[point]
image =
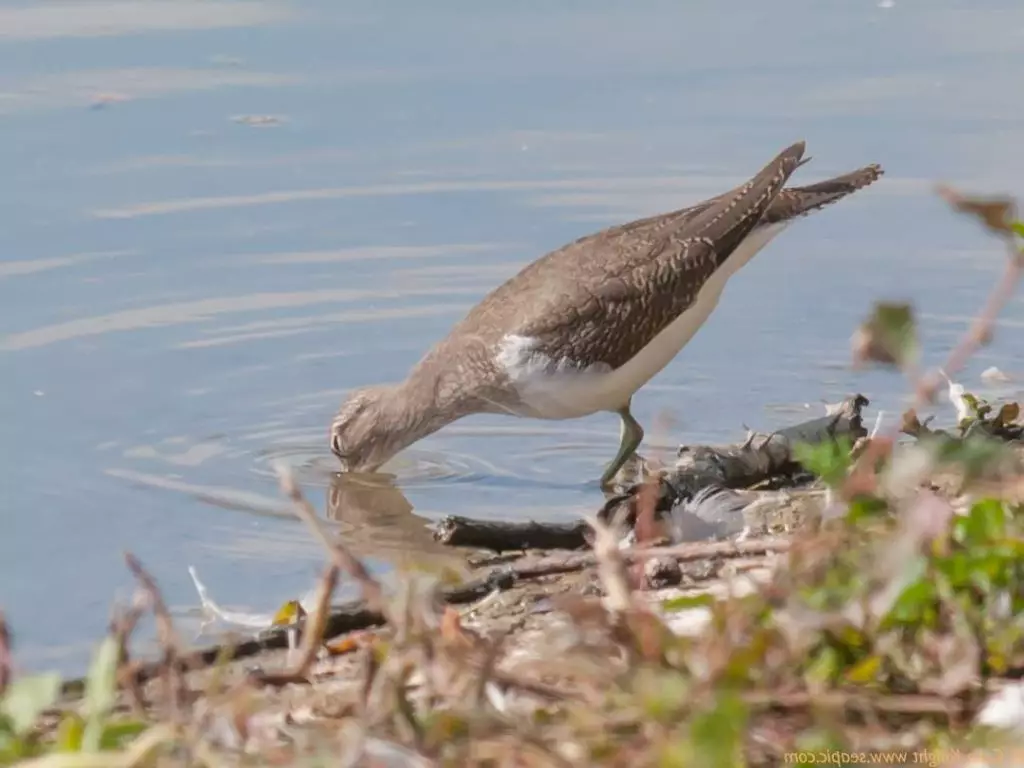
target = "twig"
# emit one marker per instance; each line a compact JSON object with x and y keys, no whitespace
{"x":174,"y":682}
{"x":612,"y":567}
{"x":980,"y":333}
{"x":6,"y":657}
{"x":908,"y":704}
{"x":122,"y":626}
{"x":345,"y":560}
{"x":312,"y":636}
{"x":683,"y":553}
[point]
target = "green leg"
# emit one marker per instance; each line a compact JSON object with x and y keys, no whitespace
{"x":630,"y":436}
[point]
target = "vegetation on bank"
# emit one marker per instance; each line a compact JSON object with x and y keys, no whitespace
{"x":890,"y":631}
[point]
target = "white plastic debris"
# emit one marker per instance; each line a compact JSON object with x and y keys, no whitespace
{"x":956,"y":394}
{"x":993,"y":375}
{"x":259,"y":622}
{"x":1005,"y":708}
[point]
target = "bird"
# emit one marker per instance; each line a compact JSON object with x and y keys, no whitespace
{"x":579,"y":330}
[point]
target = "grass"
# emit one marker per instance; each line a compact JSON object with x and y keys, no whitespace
{"x":884,"y":632}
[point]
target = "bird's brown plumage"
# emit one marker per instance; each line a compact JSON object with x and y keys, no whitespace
{"x":601,"y":299}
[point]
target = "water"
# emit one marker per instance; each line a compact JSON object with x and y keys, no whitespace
{"x":218,"y":217}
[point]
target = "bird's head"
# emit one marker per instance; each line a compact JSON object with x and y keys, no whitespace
{"x":368,"y":428}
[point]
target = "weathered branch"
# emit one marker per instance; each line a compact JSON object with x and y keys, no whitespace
{"x":740,"y":465}
{"x":501,"y":536}
{"x":730,"y":466}
{"x":758,"y":459}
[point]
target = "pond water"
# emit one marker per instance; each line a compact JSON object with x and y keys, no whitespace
{"x":217,"y":217}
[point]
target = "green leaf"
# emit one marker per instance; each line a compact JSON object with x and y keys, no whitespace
{"x":866,"y":508}
{"x":718,"y":734}
{"x":287,"y":614}
{"x":829,"y":460}
{"x":865,"y":671}
{"x":27,"y":697}
{"x":70,"y":732}
{"x":100,"y":692}
{"x":984,"y":524}
{"x":916,"y":604}
{"x":975,"y":454}
{"x":824,"y":667}
{"x":116,"y":735}
{"x":957,"y":569}
{"x":1018,"y":227}
{"x":662,"y":695}
{"x":978,"y":406}
{"x":675,"y":604}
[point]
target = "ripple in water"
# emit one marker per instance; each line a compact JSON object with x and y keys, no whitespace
{"x":414,"y":468}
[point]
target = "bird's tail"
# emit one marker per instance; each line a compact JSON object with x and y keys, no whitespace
{"x":799,"y":201}
{"x":729,"y":218}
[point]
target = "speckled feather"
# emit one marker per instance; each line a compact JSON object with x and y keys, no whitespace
{"x":600,"y":299}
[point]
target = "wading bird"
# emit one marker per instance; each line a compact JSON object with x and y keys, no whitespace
{"x":582,"y":328}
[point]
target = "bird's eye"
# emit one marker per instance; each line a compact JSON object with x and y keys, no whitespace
{"x":337,"y":447}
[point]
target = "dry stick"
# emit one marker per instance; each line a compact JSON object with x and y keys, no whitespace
{"x":122,"y":626}
{"x":980,"y":331}
{"x":312,"y":636}
{"x":500,"y":536}
{"x":173,"y":675}
{"x":6,"y":658}
{"x":611,"y":567}
{"x":908,"y":704}
{"x":993,"y":215}
{"x":683,"y":553}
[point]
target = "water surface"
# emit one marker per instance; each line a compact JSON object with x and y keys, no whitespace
{"x":218,"y":217}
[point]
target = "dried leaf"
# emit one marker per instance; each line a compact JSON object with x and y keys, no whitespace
{"x":1007,"y":414}
{"x":888,"y":336}
{"x":995,"y":213}
{"x":452,"y":631}
{"x":910,"y":424}
{"x":348,"y":643}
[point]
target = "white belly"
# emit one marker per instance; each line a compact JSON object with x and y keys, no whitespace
{"x":571,"y":393}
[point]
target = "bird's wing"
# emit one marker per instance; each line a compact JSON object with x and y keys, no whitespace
{"x":606,"y":302}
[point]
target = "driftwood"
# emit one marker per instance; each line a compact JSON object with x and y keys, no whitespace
{"x":741,"y":465}
{"x":500,"y":536}
{"x":700,"y":467}
{"x":761,"y":458}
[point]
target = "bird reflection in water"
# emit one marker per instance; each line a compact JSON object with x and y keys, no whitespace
{"x":377,"y":520}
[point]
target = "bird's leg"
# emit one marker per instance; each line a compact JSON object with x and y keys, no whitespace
{"x":630,"y":436}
